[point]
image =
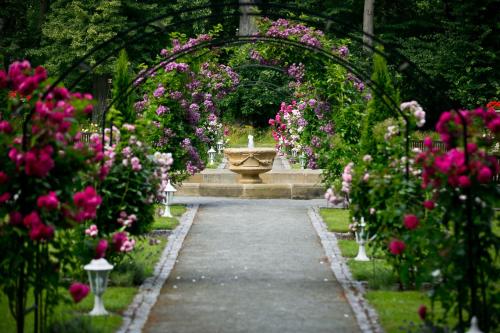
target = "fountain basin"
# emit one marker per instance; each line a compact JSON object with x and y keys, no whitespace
{"x":250,"y":162}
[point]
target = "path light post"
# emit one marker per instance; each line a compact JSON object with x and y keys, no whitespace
{"x":211,"y":156}
{"x":361,"y":239}
{"x":474,"y":328}
{"x":169,"y":196}
{"x":98,"y":271}
{"x":302,"y":161}
{"x":220,"y":146}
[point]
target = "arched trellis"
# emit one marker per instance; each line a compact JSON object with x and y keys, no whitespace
{"x":346,"y":30}
{"x":343,"y":29}
{"x":374,"y":86}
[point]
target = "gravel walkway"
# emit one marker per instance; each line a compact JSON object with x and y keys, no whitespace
{"x":251,"y":266}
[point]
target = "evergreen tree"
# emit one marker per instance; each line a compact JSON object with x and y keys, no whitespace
{"x":379,"y":107}
{"x":123,"y":111}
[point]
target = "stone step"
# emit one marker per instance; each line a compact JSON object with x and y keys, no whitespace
{"x":279,"y":183}
{"x":282,"y":176}
{"x":253,"y":191}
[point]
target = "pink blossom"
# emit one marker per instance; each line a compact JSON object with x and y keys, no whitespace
{"x":428,"y":142}
{"x":48,"y":201}
{"x":15,"y":218}
{"x":78,"y":291}
{"x":31,"y":219}
{"x":38,"y":230}
{"x":41,"y":232}
{"x":5,"y":127}
{"x":484,"y":175}
{"x":87,"y":201}
{"x":3,"y":177}
{"x":397,"y":247}
{"x":464,"y":181}
{"x":16,"y":156}
{"x":127,"y":245}
{"x":118,"y":239}
{"x":429,"y":204}
{"x":92,"y":231}
{"x":39,"y":161}
{"x":411,"y":221}
{"x":422,"y":312}
{"x":494,"y":125}
{"x":4,"y":197}
{"x":100,"y":249}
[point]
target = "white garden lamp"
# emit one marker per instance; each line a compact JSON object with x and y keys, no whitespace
{"x":474,"y":328}
{"x":98,"y":271}
{"x":294,"y":153}
{"x":169,"y":196}
{"x":211,"y":156}
{"x":361,"y":239}
{"x":302,"y":161}
{"x":220,"y":146}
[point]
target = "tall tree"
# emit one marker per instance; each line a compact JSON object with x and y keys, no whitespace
{"x":368,"y":25}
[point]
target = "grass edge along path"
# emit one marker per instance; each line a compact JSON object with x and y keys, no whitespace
{"x":396,"y":310}
{"x":70,"y":317}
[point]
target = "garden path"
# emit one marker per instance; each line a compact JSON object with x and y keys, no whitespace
{"x":251,"y":266}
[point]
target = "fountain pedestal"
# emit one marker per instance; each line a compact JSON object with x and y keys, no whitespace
{"x":250,"y":162}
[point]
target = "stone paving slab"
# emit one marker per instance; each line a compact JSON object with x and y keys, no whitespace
{"x":251,"y":266}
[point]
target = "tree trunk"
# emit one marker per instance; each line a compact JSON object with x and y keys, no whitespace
{"x":101,"y":90}
{"x":247,"y":22}
{"x":368,"y":25}
{"x":44,"y":7}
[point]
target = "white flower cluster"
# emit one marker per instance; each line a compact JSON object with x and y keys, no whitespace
{"x":347,"y":178}
{"x":392,"y":130}
{"x":414,"y":108}
{"x":164,"y":161}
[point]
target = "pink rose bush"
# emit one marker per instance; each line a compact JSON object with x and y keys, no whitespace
{"x":439,"y":216}
{"x":46,"y":172}
{"x":135,"y":180}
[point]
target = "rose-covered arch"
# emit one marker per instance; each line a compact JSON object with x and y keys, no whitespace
{"x":468,"y":281}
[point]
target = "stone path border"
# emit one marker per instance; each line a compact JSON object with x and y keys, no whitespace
{"x":137,"y":313}
{"x":365,"y":315}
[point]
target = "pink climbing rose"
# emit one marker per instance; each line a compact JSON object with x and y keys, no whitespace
{"x":411,"y":221}
{"x":397,"y":247}
{"x":48,"y":201}
{"x":78,"y":291}
{"x":100,"y":249}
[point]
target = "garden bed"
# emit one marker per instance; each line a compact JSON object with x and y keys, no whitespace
{"x":396,"y":309}
{"x":124,"y":282}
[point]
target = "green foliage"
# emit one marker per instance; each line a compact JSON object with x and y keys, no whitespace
{"x":380,"y":107}
{"x":75,"y":27}
{"x":124,"y":107}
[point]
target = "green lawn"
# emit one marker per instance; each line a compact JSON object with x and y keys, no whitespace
{"x":336,"y":219}
{"x":349,"y":249}
{"x":396,"y":309}
{"x":72,"y":317}
{"x":124,"y":279}
{"x":238,"y":137}
{"x":169,"y":223}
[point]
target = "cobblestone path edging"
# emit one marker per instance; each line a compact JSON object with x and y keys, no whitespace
{"x":365,"y":315}
{"x":137,"y":313}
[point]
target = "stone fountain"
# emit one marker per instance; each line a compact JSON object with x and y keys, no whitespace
{"x":250,"y":162}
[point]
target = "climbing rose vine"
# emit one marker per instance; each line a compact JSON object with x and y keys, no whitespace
{"x":46,"y":177}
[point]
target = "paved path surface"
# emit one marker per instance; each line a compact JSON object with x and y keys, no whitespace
{"x":251,"y":266}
